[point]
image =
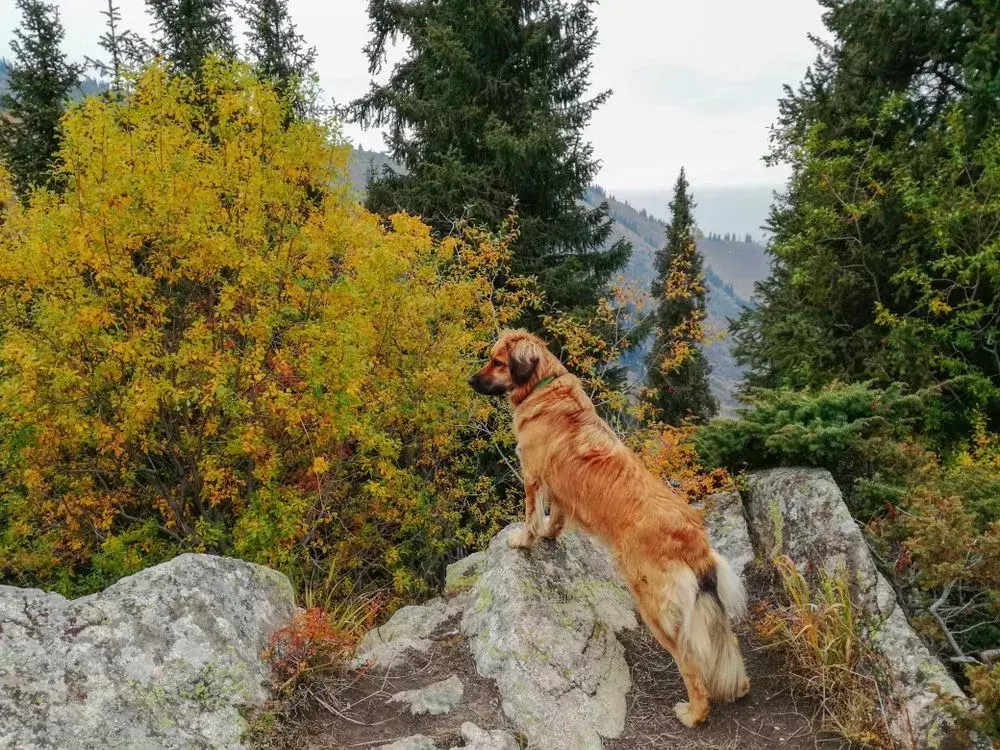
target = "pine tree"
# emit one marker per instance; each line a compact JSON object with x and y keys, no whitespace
{"x":39,"y":85}
{"x":882,"y":243}
{"x":277,"y":51}
{"x":486,"y":112}
{"x":676,"y":368}
{"x":125,"y":49}
{"x":190,"y":30}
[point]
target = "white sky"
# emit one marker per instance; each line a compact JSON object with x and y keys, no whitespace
{"x":695,"y":82}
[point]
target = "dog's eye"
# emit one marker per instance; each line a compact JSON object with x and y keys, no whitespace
{"x":498,"y":364}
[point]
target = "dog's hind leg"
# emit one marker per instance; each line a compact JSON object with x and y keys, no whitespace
{"x":652,"y":610}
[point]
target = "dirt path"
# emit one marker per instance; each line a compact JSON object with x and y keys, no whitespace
{"x":351,"y":711}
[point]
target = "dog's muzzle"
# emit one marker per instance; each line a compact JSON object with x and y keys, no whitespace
{"x":487,"y":389}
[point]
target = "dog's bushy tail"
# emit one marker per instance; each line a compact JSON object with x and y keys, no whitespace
{"x":705,"y":634}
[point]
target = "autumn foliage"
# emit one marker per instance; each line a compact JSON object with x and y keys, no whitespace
{"x":206,"y":344}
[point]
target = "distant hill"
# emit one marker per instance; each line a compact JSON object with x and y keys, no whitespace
{"x":735,"y":210}
{"x":363,"y":162}
{"x":731,"y":268}
{"x":88,"y":86}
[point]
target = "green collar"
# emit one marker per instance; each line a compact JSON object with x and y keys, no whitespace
{"x":544,"y":382}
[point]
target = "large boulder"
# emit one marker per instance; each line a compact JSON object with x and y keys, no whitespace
{"x":801,"y":513}
{"x":542,"y":623}
{"x":162,"y":659}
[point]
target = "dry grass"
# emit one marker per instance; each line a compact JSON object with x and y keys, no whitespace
{"x":819,"y":630}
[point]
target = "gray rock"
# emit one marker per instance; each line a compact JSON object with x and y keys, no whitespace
{"x":462,"y":575}
{"x":801,"y":513}
{"x":409,"y":629}
{"x":413,"y":742}
{"x":726,"y":526}
{"x":161,"y":659}
{"x":542,"y":623}
{"x":481,"y":739}
{"x":437,"y":698}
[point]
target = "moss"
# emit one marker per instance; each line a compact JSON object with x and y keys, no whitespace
{"x":777,"y":523}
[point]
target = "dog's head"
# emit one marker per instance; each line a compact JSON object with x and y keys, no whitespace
{"x":515,"y":360}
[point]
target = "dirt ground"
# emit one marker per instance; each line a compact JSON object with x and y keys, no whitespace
{"x":350,"y":711}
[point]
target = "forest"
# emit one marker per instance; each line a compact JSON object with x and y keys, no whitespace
{"x":212,"y":341}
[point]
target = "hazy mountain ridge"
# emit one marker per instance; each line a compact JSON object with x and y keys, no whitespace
{"x":731,"y":268}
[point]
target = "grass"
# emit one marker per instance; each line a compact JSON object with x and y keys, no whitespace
{"x":819,"y":630}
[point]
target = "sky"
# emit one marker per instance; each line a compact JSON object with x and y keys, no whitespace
{"x":695,"y":82}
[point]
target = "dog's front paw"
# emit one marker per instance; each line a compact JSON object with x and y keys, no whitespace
{"x":688,"y":716}
{"x":519,"y":539}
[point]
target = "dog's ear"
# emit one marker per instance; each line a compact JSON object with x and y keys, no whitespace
{"x":525,"y":355}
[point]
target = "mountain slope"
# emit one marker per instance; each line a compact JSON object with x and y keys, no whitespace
{"x":731,"y":268}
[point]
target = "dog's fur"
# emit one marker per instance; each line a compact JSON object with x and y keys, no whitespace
{"x":570,"y":459}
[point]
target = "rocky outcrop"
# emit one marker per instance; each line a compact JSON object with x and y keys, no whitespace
{"x":162,"y":659}
{"x":801,"y":513}
{"x":726,"y":525}
{"x":543,"y":626}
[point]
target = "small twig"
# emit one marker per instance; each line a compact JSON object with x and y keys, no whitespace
{"x":933,"y":609}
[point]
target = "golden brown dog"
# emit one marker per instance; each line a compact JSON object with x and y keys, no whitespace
{"x":685,"y":591}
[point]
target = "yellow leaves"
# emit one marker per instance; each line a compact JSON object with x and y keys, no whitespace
{"x":205,"y":326}
{"x":939,"y":306}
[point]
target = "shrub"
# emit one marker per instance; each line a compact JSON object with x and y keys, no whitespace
{"x":858,"y":431}
{"x":207,"y":345}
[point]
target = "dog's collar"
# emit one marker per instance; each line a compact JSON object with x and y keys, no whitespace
{"x":542,"y":383}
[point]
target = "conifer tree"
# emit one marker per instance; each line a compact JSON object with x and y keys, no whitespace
{"x":125,"y":49}
{"x":190,"y":30}
{"x":676,"y":368}
{"x":39,"y":85}
{"x":485,"y":112}
{"x":277,"y":51}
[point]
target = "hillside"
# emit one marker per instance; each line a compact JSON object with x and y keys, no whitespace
{"x":731,"y":269}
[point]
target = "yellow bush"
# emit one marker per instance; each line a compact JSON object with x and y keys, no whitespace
{"x":206,"y":344}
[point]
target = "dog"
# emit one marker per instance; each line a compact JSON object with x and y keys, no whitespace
{"x":572,"y":461}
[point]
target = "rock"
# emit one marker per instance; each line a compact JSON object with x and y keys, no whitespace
{"x":161,"y":659}
{"x":726,"y":526}
{"x":801,"y":513}
{"x":407,"y":630}
{"x":413,"y":742}
{"x":542,"y":623}
{"x":480,"y":739}
{"x":462,"y":575}
{"x":437,"y":698}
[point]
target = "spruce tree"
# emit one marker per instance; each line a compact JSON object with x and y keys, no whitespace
{"x":676,"y":368}
{"x":277,"y":51}
{"x":190,"y":30}
{"x":39,"y":85}
{"x":486,"y":112}
{"x":125,"y":49}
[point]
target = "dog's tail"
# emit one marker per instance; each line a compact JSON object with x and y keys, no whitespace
{"x":705,"y":635}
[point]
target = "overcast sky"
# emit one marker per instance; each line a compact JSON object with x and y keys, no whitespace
{"x":695,"y":81}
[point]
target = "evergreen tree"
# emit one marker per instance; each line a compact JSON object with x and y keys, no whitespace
{"x":277,"y":51}
{"x":39,"y":85}
{"x":125,"y":49}
{"x":884,"y":245}
{"x":485,"y":112}
{"x":190,"y":30}
{"x":676,"y":368}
